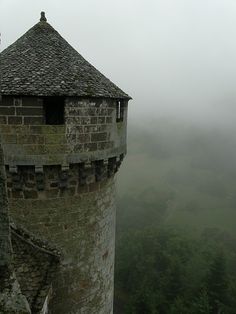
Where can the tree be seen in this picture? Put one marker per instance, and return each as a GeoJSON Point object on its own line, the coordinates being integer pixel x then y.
{"type": "Point", "coordinates": [202, 304]}
{"type": "Point", "coordinates": [217, 284]}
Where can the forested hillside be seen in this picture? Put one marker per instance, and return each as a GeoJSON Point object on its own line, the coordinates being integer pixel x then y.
{"type": "Point", "coordinates": [176, 235]}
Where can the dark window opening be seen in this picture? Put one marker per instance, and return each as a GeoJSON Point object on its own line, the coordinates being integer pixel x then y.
{"type": "Point", "coordinates": [119, 111]}
{"type": "Point", "coordinates": [54, 110]}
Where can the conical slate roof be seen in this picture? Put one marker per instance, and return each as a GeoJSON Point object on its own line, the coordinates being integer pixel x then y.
{"type": "Point", "coordinates": [42, 63]}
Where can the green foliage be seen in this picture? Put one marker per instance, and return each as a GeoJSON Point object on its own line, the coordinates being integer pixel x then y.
{"type": "Point", "coordinates": [151, 268]}
{"type": "Point", "coordinates": [179, 307]}
{"type": "Point", "coordinates": [152, 271]}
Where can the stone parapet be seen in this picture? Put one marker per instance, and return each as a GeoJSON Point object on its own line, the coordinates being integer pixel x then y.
{"type": "Point", "coordinates": [91, 131]}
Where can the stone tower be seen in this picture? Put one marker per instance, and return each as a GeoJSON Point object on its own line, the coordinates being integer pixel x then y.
{"type": "Point", "coordinates": [63, 127]}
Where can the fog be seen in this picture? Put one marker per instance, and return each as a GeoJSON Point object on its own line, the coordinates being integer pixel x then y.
{"type": "Point", "coordinates": [176, 58]}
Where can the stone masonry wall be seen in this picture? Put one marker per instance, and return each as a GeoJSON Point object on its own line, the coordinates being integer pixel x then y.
{"type": "Point", "coordinates": [60, 181]}
{"type": "Point", "coordinates": [34, 268]}
{"type": "Point", "coordinates": [91, 132]}
{"type": "Point", "coordinates": [91, 126]}
{"type": "Point", "coordinates": [82, 227]}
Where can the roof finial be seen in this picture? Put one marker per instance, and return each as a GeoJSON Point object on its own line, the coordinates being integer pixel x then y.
{"type": "Point", "coordinates": [43, 17]}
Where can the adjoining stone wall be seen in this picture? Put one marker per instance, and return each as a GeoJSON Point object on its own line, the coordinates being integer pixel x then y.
{"type": "Point", "coordinates": [5, 247]}
{"type": "Point", "coordinates": [34, 267]}
{"type": "Point", "coordinates": [82, 227]}
{"type": "Point", "coordinates": [11, 298]}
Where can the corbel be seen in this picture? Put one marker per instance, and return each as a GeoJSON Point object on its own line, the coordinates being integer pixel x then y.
{"type": "Point", "coordinates": [100, 169]}
{"type": "Point", "coordinates": [39, 177]}
{"type": "Point", "coordinates": [111, 166]}
{"type": "Point", "coordinates": [82, 174]}
{"type": "Point", "coordinates": [17, 183]}
{"type": "Point", "coordinates": [63, 178]}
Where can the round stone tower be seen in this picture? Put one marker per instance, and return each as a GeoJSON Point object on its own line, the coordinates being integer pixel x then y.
{"type": "Point", "coordinates": [63, 127]}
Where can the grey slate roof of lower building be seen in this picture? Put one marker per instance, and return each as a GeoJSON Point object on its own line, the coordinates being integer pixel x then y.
{"type": "Point", "coordinates": [42, 63]}
{"type": "Point", "coordinates": [35, 264]}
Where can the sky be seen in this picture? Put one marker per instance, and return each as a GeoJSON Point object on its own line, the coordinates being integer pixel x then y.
{"type": "Point", "coordinates": [175, 58]}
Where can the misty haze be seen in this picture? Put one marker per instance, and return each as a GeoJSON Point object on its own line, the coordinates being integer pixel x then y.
{"type": "Point", "coordinates": [176, 189]}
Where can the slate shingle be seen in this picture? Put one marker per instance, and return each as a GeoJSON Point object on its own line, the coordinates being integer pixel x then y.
{"type": "Point", "coordinates": [42, 63]}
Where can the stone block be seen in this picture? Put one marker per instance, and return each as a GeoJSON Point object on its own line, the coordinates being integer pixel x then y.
{"type": "Point", "coordinates": [53, 193]}
{"type": "Point", "coordinates": [29, 111]}
{"type": "Point", "coordinates": [82, 189]}
{"type": "Point", "coordinates": [30, 139]}
{"type": "Point", "coordinates": [6, 101]}
{"type": "Point", "coordinates": [6, 129]}
{"type": "Point", "coordinates": [110, 111]}
{"type": "Point", "coordinates": [90, 147]}
{"type": "Point", "coordinates": [105, 145]}
{"type": "Point", "coordinates": [101, 120]}
{"type": "Point", "coordinates": [36, 129]}
{"type": "Point", "coordinates": [101, 112]}
{"type": "Point", "coordinates": [30, 194]}
{"type": "Point", "coordinates": [33, 120]}
{"type": "Point", "coordinates": [15, 120]}
{"type": "Point", "coordinates": [83, 138]}
{"type": "Point", "coordinates": [90, 128]}
{"type": "Point", "coordinates": [109, 120]}
{"type": "Point", "coordinates": [98, 137]}
{"type": "Point", "coordinates": [19, 129]}
{"type": "Point", "coordinates": [55, 149]}
{"type": "Point", "coordinates": [9, 139]}
{"type": "Point", "coordinates": [3, 120]}
{"type": "Point", "coordinates": [78, 148]}
{"type": "Point", "coordinates": [94, 120]}
{"type": "Point", "coordinates": [54, 139]}
{"type": "Point", "coordinates": [80, 129]}
{"type": "Point", "coordinates": [53, 129]}
{"type": "Point", "coordinates": [91, 112]}
{"type": "Point", "coordinates": [85, 120]}
{"type": "Point", "coordinates": [17, 194]}
{"type": "Point", "coordinates": [7, 111]}
{"type": "Point", "coordinates": [67, 192]}
{"type": "Point", "coordinates": [34, 149]}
